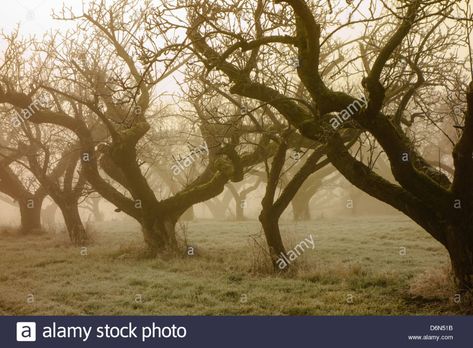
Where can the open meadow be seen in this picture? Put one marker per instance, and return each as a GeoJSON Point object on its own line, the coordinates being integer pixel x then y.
{"type": "Point", "coordinates": [360, 266]}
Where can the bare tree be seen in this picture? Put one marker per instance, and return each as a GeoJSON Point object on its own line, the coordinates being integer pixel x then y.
{"type": "Point", "coordinates": [103, 93]}
{"type": "Point", "coordinates": [402, 64]}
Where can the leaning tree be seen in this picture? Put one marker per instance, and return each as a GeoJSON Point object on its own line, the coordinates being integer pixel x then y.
{"type": "Point", "coordinates": [407, 62]}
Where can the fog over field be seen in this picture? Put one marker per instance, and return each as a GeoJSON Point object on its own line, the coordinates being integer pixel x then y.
{"type": "Point", "coordinates": [206, 157]}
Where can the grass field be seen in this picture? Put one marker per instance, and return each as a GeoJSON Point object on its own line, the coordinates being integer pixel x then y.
{"type": "Point", "coordinates": [360, 266]}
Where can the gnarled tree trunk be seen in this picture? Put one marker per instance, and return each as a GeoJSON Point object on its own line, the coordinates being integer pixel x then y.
{"type": "Point", "coordinates": [160, 235]}
{"type": "Point", "coordinates": [273, 209]}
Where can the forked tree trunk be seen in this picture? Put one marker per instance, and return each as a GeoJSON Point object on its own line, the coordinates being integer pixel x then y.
{"type": "Point", "coordinates": [273, 209]}
{"type": "Point", "coordinates": [269, 216]}
{"type": "Point", "coordinates": [30, 211]}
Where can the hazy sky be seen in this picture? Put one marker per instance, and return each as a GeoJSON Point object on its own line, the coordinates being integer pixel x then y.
{"type": "Point", "coordinates": [33, 15]}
